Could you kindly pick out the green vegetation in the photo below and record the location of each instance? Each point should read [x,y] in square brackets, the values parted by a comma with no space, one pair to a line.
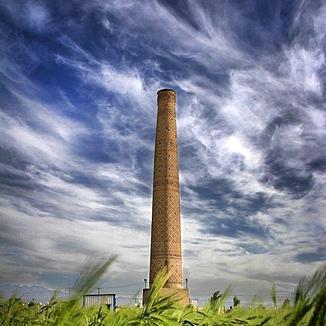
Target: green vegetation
[308,308]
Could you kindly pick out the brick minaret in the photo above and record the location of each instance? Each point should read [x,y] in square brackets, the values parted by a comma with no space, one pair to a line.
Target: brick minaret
[166,230]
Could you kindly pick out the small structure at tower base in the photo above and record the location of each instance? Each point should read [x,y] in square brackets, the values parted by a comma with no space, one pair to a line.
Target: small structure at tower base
[180,295]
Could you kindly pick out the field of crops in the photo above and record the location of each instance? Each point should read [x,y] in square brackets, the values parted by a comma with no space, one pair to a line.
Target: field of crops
[307,308]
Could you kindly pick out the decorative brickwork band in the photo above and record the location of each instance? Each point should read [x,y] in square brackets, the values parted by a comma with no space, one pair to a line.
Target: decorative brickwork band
[166,232]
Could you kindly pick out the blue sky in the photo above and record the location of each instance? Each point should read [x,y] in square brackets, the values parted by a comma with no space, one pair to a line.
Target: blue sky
[78,83]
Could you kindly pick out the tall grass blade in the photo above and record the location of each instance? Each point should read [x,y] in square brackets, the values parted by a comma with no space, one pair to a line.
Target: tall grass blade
[273,293]
[310,298]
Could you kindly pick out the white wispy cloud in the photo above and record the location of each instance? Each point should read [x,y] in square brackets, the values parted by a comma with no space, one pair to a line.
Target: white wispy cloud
[33,15]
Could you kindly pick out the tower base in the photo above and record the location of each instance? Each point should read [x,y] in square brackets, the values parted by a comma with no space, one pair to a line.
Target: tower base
[181,295]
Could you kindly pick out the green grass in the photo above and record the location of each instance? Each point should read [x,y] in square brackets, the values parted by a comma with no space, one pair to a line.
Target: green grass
[308,307]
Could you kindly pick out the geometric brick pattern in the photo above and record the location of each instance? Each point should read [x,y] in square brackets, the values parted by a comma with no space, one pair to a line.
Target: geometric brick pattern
[166,231]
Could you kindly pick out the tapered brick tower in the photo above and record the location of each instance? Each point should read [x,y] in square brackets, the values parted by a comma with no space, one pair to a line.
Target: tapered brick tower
[166,230]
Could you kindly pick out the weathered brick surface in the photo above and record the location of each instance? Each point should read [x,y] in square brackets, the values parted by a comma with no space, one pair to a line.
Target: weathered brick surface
[165,236]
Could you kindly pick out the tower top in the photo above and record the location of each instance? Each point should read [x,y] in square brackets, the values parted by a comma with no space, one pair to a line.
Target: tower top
[166,90]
